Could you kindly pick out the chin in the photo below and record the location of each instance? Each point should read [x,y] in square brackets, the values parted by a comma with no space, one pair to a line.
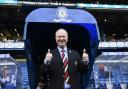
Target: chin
[61,46]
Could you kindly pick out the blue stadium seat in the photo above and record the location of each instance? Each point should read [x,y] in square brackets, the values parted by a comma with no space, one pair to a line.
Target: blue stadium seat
[103,86]
[116,86]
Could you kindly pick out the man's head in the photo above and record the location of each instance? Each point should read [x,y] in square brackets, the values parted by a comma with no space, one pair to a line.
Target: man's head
[5,70]
[61,37]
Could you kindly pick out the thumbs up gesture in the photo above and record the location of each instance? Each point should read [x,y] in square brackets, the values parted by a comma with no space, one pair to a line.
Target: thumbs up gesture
[48,56]
[85,55]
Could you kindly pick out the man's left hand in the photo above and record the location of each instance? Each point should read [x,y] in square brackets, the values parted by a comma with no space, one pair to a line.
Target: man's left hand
[85,56]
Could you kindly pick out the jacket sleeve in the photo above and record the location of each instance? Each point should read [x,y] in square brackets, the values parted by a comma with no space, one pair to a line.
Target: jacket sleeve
[82,66]
[45,74]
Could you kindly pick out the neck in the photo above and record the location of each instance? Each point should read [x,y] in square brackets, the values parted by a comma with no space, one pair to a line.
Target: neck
[62,47]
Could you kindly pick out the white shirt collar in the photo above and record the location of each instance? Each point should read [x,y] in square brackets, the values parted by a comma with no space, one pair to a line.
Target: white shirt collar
[60,49]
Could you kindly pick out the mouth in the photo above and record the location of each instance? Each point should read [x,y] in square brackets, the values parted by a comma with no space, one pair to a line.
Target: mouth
[61,42]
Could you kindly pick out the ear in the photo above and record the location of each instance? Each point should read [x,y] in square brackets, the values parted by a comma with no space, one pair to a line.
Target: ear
[67,38]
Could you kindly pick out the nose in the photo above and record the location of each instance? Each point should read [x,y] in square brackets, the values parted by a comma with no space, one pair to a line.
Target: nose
[61,37]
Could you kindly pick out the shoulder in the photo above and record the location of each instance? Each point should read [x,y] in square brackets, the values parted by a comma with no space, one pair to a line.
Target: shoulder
[72,50]
[54,50]
[74,53]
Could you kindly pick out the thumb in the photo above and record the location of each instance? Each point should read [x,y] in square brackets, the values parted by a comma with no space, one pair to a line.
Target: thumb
[84,50]
[48,50]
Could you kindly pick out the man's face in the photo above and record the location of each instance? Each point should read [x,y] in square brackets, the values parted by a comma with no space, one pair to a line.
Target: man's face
[61,38]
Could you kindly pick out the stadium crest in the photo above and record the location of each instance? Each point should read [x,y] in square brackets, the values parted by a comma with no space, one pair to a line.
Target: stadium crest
[62,14]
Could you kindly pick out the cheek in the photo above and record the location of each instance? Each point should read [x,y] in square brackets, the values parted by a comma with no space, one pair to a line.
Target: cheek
[57,39]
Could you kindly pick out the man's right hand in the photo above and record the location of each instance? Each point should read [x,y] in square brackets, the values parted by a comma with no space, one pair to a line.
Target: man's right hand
[48,56]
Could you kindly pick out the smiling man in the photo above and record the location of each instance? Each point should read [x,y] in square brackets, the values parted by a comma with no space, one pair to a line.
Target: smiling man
[62,65]
[61,38]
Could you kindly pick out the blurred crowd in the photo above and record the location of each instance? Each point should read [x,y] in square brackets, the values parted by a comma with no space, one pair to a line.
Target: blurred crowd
[115,38]
[10,36]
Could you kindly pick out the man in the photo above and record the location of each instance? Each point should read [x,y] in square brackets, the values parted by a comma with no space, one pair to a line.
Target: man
[7,80]
[62,65]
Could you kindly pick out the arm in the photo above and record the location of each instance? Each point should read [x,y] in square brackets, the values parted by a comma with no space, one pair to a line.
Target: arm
[45,69]
[83,65]
[45,73]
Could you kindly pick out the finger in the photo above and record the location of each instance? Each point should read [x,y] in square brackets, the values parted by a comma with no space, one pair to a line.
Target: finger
[48,50]
[84,50]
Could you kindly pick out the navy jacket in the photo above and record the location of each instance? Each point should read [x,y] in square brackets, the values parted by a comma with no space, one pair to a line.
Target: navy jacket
[52,74]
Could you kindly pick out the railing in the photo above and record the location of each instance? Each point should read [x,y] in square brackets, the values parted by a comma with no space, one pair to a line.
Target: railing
[11,45]
[113,45]
[102,45]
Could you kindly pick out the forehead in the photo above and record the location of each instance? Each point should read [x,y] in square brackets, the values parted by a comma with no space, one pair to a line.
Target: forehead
[61,32]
